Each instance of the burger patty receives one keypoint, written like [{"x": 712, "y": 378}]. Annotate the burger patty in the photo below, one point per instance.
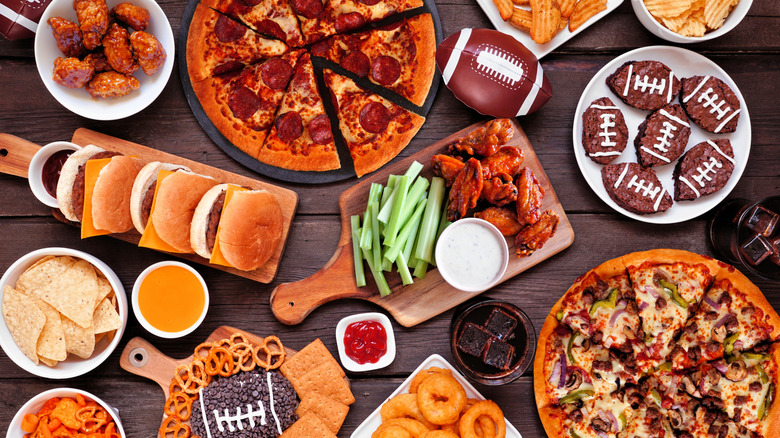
[
  {"x": 77, "y": 197},
  {"x": 214, "y": 215},
  {"x": 146, "y": 205}
]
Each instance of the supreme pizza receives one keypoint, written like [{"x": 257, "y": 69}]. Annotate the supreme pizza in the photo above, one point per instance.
[
  {"x": 661, "y": 343},
  {"x": 258, "y": 70}
]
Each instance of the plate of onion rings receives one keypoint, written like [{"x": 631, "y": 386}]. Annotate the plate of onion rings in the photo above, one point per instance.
[{"x": 435, "y": 380}]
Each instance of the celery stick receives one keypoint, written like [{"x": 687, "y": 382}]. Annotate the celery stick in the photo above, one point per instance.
[
  {"x": 414, "y": 169},
  {"x": 404, "y": 234},
  {"x": 430, "y": 220},
  {"x": 421, "y": 269},
  {"x": 387, "y": 265},
  {"x": 376, "y": 247},
  {"x": 393, "y": 224},
  {"x": 388, "y": 190},
  {"x": 403, "y": 269},
  {"x": 410, "y": 243},
  {"x": 379, "y": 278},
  {"x": 416, "y": 192},
  {"x": 357, "y": 255},
  {"x": 375, "y": 192},
  {"x": 366, "y": 233},
  {"x": 412, "y": 172}
]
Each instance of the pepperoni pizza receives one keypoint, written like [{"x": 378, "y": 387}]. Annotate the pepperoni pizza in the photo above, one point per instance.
[
  {"x": 251, "y": 67},
  {"x": 661, "y": 343}
]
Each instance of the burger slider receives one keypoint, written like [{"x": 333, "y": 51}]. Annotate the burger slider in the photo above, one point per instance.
[
  {"x": 143, "y": 192},
  {"x": 100, "y": 189},
  {"x": 236, "y": 226},
  {"x": 175, "y": 199}
]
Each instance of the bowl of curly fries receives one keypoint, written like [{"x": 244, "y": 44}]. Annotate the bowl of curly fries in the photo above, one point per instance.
[{"x": 690, "y": 21}]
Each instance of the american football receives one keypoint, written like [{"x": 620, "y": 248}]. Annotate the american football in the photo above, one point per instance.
[
  {"x": 662, "y": 136},
  {"x": 604, "y": 131},
  {"x": 634, "y": 188},
  {"x": 711, "y": 104},
  {"x": 704, "y": 169},
  {"x": 492, "y": 73},
  {"x": 647, "y": 85}
]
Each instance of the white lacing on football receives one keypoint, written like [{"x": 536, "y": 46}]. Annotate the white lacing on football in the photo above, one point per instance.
[
  {"x": 203, "y": 413},
  {"x": 705, "y": 169},
  {"x": 717, "y": 149},
  {"x": 691, "y": 186},
  {"x": 607, "y": 121},
  {"x": 500, "y": 66},
  {"x": 644, "y": 83},
  {"x": 271, "y": 398},
  {"x": 667, "y": 134},
  {"x": 649, "y": 190},
  {"x": 239, "y": 418}
]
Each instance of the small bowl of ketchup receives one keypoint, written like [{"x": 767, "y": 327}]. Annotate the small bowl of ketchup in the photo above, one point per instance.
[
  {"x": 365, "y": 341},
  {"x": 44, "y": 170}
]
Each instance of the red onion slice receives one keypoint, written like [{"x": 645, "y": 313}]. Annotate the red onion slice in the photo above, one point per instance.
[
  {"x": 555, "y": 378},
  {"x": 724, "y": 319},
  {"x": 643, "y": 305},
  {"x": 714, "y": 304},
  {"x": 614, "y": 420},
  {"x": 720, "y": 366},
  {"x": 562, "y": 380},
  {"x": 651, "y": 290},
  {"x": 615, "y": 316}
]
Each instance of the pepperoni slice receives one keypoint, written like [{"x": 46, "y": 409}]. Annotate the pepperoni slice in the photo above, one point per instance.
[
  {"x": 276, "y": 73},
  {"x": 289, "y": 126},
  {"x": 272, "y": 29},
  {"x": 374, "y": 117},
  {"x": 244, "y": 102},
  {"x": 385, "y": 70},
  {"x": 227, "y": 67},
  {"x": 350, "y": 21},
  {"x": 250, "y": 2},
  {"x": 308, "y": 8},
  {"x": 319, "y": 130},
  {"x": 369, "y": 2},
  {"x": 321, "y": 48},
  {"x": 357, "y": 62},
  {"x": 228, "y": 30}
]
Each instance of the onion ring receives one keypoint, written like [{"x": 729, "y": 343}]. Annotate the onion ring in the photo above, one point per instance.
[
  {"x": 441, "y": 399},
  {"x": 487, "y": 408},
  {"x": 391, "y": 431},
  {"x": 404, "y": 406},
  {"x": 440, "y": 434},
  {"x": 414, "y": 427},
  {"x": 424, "y": 374}
]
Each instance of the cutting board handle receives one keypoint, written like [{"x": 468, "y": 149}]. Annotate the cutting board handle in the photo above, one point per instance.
[
  {"x": 16, "y": 154},
  {"x": 141, "y": 358}
]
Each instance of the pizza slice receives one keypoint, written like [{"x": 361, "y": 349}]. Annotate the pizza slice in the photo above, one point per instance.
[
  {"x": 217, "y": 44},
  {"x": 400, "y": 57},
  {"x": 605, "y": 416},
  {"x": 733, "y": 316},
  {"x": 273, "y": 18},
  {"x": 602, "y": 306},
  {"x": 668, "y": 285},
  {"x": 322, "y": 18},
  {"x": 300, "y": 138},
  {"x": 374, "y": 128},
  {"x": 242, "y": 103}
]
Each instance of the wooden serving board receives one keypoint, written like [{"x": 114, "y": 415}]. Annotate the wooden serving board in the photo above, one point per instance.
[
  {"x": 141, "y": 358},
  {"x": 428, "y": 297},
  {"x": 20, "y": 152}
]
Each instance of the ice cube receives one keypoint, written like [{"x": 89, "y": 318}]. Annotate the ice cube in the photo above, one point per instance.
[
  {"x": 500, "y": 324},
  {"x": 499, "y": 354},
  {"x": 762, "y": 220},
  {"x": 775, "y": 257},
  {"x": 473, "y": 339},
  {"x": 757, "y": 249}
]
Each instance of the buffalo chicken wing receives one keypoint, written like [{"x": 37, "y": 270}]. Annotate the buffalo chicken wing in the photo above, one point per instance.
[
  {"x": 498, "y": 192},
  {"x": 534, "y": 236},
  {"x": 485, "y": 140},
  {"x": 506, "y": 161},
  {"x": 465, "y": 190},
  {"x": 446, "y": 167},
  {"x": 503, "y": 218},
  {"x": 530, "y": 195}
]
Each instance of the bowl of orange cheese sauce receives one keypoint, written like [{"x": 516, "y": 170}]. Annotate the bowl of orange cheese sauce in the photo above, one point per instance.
[{"x": 170, "y": 299}]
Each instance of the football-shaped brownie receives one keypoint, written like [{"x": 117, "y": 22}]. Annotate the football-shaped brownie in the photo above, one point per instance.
[
  {"x": 492, "y": 73},
  {"x": 635, "y": 188},
  {"x": 646, "y": 85},
  {"x": 662, "y": 137},
  {"x": 604, "y": 131},
  {"x": 710, "y": 103},
  {"x": 704, "y": 169}
]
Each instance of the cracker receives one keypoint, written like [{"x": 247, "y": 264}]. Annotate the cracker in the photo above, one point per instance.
[
  {"x": 309, "y": 426},
  {"x": 330, "y": 411},
  {"x": 326, "y": 379},
  {"x": 24, "y": 319},
  {"x": 105, "y": 317},
  {"x": 78, "y": 340},
  {"x": 308, "y": 358},
  {"x": 51, "y": 343}
]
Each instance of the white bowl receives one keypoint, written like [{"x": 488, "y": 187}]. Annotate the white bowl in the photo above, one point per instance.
[
  {"x": 455, "y": 270},
  {"x": 36, "y": 403},
  {"x": 73, "y": 366},
  {"x": 35, "y": 170},
  {"x": 78, "y": 100},
  {"x": 659, "y": 30},
  {"x": 383, "y": 361},
  {"x": 140, "y": 317}
]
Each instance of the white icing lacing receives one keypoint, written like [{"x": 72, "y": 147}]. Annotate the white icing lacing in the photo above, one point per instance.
[
  {"x": 604, "y": 107},
  {"x": 203, "y": 413},
  {"x": 622, "y": 175},
  {"x": 606, "y": 123},
  {"x": 628, "y": 79},
  {"x": 717, "y": 149},
  {"x": 696, "y": 90},
  {"x": 668, "y": 134},
  {"x": 643, "y": 84},
  {"x": 666, "y": 114},
  {"x": 707, "y": 100},
  {"x": 726, "y": 121},
  {"x": 671, "y": 87},
  {"x": 688, "y": 183},
  {"x": 658, "y": 201},
  {"x": 648, "y": 191},
  {"x": 707, "y": 168},
  {"x": 239, "y": 418},
  {"x": 659, "y": 156},
  {"x": 271, "y": 398},
  {"x": 604, "y": 154}
]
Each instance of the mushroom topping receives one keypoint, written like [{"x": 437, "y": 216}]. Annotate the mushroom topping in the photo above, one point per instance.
[
  {"x": 690, "y": 388},
  {"x": 675, "y": 419},
  {"x": 601, "y": 424},
  {"x": 629, "y": 332},
  {"x": 574, "y": 380},
  {"x": 737, "y": 371},
  {"x": 585, "y": 344},
  {"x": 714, "y": 376},
  {"x": 719, "y": 334}
]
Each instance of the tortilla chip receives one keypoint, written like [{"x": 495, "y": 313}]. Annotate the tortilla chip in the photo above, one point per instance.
[
  {"x": 47, "y": 362},
  {"x": 104, "y": 288},
  {"x": 105, "y": 317},
  {"x": 24, "y": 319},
  {"x": 78, "y": 340},
  {"x": 51, "y": 343}
]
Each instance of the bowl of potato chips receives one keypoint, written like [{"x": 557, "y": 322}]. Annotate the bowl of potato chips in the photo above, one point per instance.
[
  {"x": 690, "y": 21},
  {"x": 63, "y": 312}
]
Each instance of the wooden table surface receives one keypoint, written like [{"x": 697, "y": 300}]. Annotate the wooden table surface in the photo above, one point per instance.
[{"x": 749, "y": 54}]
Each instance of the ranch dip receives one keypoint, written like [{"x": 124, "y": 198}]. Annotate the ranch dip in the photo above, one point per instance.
[{"x": 471, "y": 255}]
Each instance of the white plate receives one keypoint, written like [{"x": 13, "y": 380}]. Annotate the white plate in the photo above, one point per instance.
[
  {"x": 684, "y": 63},
  {"x": 78, "y": 100},
  {"x": 524, "y": 37},
  {"x": 385, "y": 360},
  {"x": 370, "y": 424}
]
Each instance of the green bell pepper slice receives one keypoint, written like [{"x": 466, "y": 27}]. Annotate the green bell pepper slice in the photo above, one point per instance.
[
  {"x": 573, "y": 433},
  {"x": 728, "y": 343},
  {"x": 559, "y": 315},
  {"x": 656, "y": 397},
  {"x": 623, "y": 421},
  {"x": 765, "y": 403},
  {"x": 671, "y": 290},
  {"x": 762, "y": 374},
  {"x": 569, "y": 345},
  {"x": 609, "y": 302},
  {"x": 576, "y": 395}
]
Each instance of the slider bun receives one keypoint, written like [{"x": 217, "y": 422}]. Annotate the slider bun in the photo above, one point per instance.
[
  {"x": 250, "y": 229},
  {"x": 111, "y": 194},
  {"x": 146, "y": 178},
  {"x": 174, "y": 205},
  {"x": 70, "y": 170},
  {"x": 200, "y": 221}
]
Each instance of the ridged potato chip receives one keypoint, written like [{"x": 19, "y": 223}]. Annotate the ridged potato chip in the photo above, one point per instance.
[
  {"x": 505, "y": 8},
  {"x": 522, "y": 19},
  {"x": 667, "y": 8},
  {"x": 584, "y": 10},
  {"x": 697, "y": 19},
  {"x": 716, "y": 11},
  {"x": 567, "y": 7},
  {"x": 546, "y": 20}
]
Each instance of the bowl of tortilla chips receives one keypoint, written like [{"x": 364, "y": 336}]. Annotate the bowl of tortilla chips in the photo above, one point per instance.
[{"x": 63, "y": 312}]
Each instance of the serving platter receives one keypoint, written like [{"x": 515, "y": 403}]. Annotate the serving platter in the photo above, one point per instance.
[
  {"x": 428, "y": 297},
  {"x": 373, "y": 421},
  {"x": 684, "y": 63},
  {"x": 19, "y": 153}
]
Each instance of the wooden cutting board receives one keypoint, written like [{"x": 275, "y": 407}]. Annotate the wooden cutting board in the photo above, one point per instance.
[
  {"x": 428, "y": 297},
  {"x": 19, "y": 152}
]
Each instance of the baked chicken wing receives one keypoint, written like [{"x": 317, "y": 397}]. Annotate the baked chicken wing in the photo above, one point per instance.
[
  {"x": 503, "y": 218},
  {"x": 498, "y": 192},
  {"x": 446, "y": 167},
  {"x": 530, "y": 195},
  {"x": 534, "y": 236},
  {"x": 485, "y": 140},
  {"x": 506, "y": 161},
  {"x": 93, "y": 21},
  {"x": 111, "y": 84},
  {"x": 68, "y": 37},
  {"x": 465, "y": 190}
]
